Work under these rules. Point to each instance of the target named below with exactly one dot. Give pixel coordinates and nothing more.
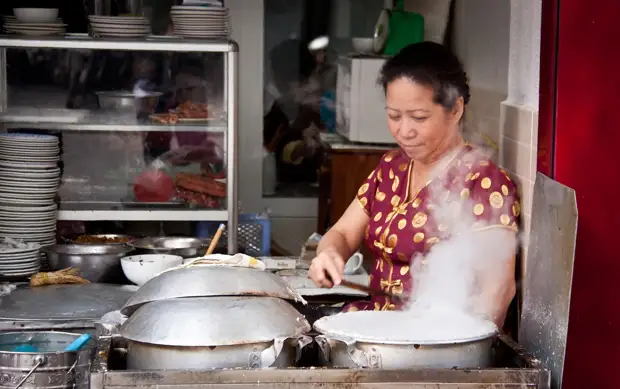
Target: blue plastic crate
(254, 233)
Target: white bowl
(141, 268)
(36, 15)
(363, 45)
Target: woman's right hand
(327, 269)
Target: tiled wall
(518, 148)
(482, 118)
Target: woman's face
(423, 129)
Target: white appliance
(360, 101)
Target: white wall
(524, 65)
(481, 40)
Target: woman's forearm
(335, 240)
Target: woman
(426, 92)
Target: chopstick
(371, 291)
(215, 239)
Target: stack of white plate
(18, 259)
(14, 26)
(119, 26)
(200, 22)
(29, 179)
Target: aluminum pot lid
(211, 281)
(406, 327)
(214, 321)
(63, 302)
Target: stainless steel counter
(524, 371)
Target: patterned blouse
(402, 226)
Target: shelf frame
(144, 215)
(230, 51)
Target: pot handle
(324, 349)
(302, 342)
(267, 357)
(360, 358)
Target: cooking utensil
(144, 102)
(214, 332)
(97, 263)
(210, 281)
(49, 366)
(372, 291)
(77, 343)
(185, 247)
(215, 239)
(401, 340)
(56, 305)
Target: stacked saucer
(200, 22)
(29, 179)
(14, 26)
(18, 259)
(119, 26)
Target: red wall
(579, 144)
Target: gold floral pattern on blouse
(403, 228)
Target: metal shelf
(14, 122)
(49, 118)
(96, 121)
(150, 43)
(144, 215)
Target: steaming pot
(215, 332)
(360, 346)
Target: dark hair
(430, 64)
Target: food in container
(153, 186)
(215, 332)
(429, 338)
(102, 239)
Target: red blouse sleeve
(495, 201)
(368, 191)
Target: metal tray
(60, 306)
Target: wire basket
(253, 236)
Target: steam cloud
(450, 276)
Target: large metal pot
(210, 281)
(185, 247)
(390, 340)
(215, 332)
(97, 263)
(49, 367)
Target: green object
(405, 28)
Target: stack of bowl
(213, 317)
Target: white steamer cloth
(406, 327)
